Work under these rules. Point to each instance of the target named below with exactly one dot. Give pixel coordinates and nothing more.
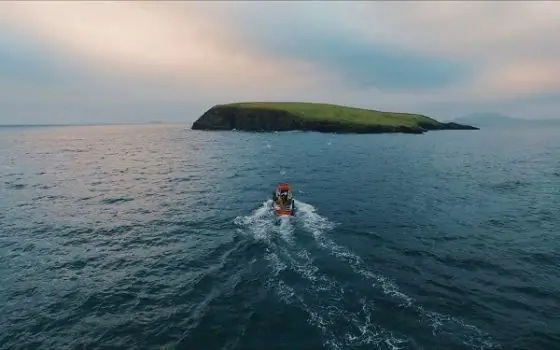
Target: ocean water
(160, 237)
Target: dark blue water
(157, 237)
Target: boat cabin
(283, 192)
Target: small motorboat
(283, 201)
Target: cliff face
(229, 118)
(251, 119)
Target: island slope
(286, 116)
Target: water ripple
(157, 236)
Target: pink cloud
(175, 41)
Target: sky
(126, 61)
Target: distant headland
(305, 116)
(496, 120)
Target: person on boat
(284, 198)
(277, 198)
(281, 200)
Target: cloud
(20, 61)
(469, 29)
(363, 64)
(513, 43)
(442, 57)
(155, 40)
(318, 33)
(117, 54)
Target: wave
(319, 227)
(321, 294)
(285, 255)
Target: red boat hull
(283, 212)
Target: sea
(161, 237)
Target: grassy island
(322, 117)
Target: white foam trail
(322, 313)
(258, 221)
(369, 333)
(277, 264)
(286, 229)
(328, 318)
(319, 226)
(289, 296)
(263, 225)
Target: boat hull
(284, 211)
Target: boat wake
(318, 294)
(330, 305)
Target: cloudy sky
(125, 61)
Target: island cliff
(286, 116)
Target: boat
(283, 201)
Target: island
(489, 120)
(320, 117)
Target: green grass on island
(339, 114)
